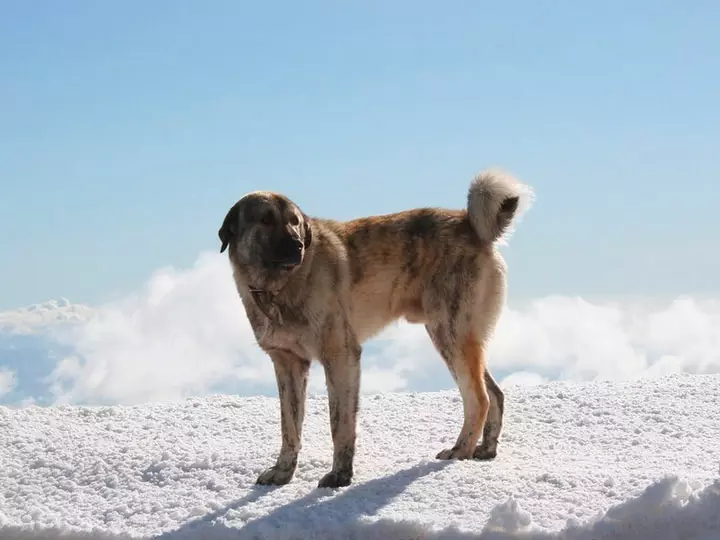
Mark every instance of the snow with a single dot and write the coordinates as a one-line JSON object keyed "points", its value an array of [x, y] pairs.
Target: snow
{"points": [[577, 461]]}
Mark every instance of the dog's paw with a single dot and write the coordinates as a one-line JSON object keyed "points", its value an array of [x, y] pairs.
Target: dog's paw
{"points": [[485, 452], [454, 453], [275, 476], [336, 479]]}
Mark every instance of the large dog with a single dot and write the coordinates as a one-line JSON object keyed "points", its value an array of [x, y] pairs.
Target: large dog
{"points": [[318, 288]]}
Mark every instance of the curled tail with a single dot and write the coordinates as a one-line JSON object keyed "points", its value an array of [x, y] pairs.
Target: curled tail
{"points": [[495, 201]]}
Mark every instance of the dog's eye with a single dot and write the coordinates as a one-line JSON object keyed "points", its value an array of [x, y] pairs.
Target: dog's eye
{"points": [[293, 220]]}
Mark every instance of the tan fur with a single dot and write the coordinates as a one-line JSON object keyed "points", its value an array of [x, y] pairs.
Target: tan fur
{"points": [[347, 281]]}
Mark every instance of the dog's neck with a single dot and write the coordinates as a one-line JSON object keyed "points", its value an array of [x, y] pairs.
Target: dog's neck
{"points": [[270, 300], [266, 298], [267, 291], [263, 301]]}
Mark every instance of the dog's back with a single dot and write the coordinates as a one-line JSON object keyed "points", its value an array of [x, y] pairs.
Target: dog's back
{"points": [[392, 258]]}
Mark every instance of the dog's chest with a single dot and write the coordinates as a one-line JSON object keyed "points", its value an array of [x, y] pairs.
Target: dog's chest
{"points": [[281, 328], [273, 336]]}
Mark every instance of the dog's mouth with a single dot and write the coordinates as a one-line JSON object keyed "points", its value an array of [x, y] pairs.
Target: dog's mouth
{"points": [[289, 262], [284, 265]]}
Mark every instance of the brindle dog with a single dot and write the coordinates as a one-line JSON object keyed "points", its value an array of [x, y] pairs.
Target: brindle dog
{"points": [[317, 289]]}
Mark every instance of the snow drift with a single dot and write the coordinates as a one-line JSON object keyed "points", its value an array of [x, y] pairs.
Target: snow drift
{"points": [[577, 462]]}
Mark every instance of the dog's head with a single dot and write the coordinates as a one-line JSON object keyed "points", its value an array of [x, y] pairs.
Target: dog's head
{"points": [[267, 237]]}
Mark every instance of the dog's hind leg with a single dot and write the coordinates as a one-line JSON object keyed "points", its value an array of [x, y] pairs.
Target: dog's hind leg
{"points": [[291, 373], [465, 358], [493, 425]]}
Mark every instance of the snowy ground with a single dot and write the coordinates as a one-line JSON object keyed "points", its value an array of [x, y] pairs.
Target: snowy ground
{"points": [[577, 461]]}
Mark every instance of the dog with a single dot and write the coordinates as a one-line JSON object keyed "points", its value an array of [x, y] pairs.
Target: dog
{"points": [[317, 289]]}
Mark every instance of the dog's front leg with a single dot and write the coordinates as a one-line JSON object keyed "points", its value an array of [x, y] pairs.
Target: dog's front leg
{"points": [[291, 373], [342, 376]]}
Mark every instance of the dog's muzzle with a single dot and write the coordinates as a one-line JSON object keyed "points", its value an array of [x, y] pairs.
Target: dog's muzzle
{"points": [[288, 254]]}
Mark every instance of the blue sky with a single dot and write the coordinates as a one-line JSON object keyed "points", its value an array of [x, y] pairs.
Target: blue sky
{"points": [[129, 128]]}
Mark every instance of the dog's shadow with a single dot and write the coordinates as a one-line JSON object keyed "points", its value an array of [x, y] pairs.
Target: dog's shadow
{"points": [[319, 510]]}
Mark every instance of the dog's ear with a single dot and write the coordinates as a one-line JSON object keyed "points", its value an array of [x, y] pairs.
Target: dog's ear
{"points": [[308, 231], [229, 228]]}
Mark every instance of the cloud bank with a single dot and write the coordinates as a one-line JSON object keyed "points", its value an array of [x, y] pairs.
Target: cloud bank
{"points": [[186, 334]]}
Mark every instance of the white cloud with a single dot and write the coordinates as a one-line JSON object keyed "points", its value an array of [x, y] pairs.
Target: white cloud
{"points": [[570, 338], [186, 334], [183, 334], [30, 319], [8, 381]]}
